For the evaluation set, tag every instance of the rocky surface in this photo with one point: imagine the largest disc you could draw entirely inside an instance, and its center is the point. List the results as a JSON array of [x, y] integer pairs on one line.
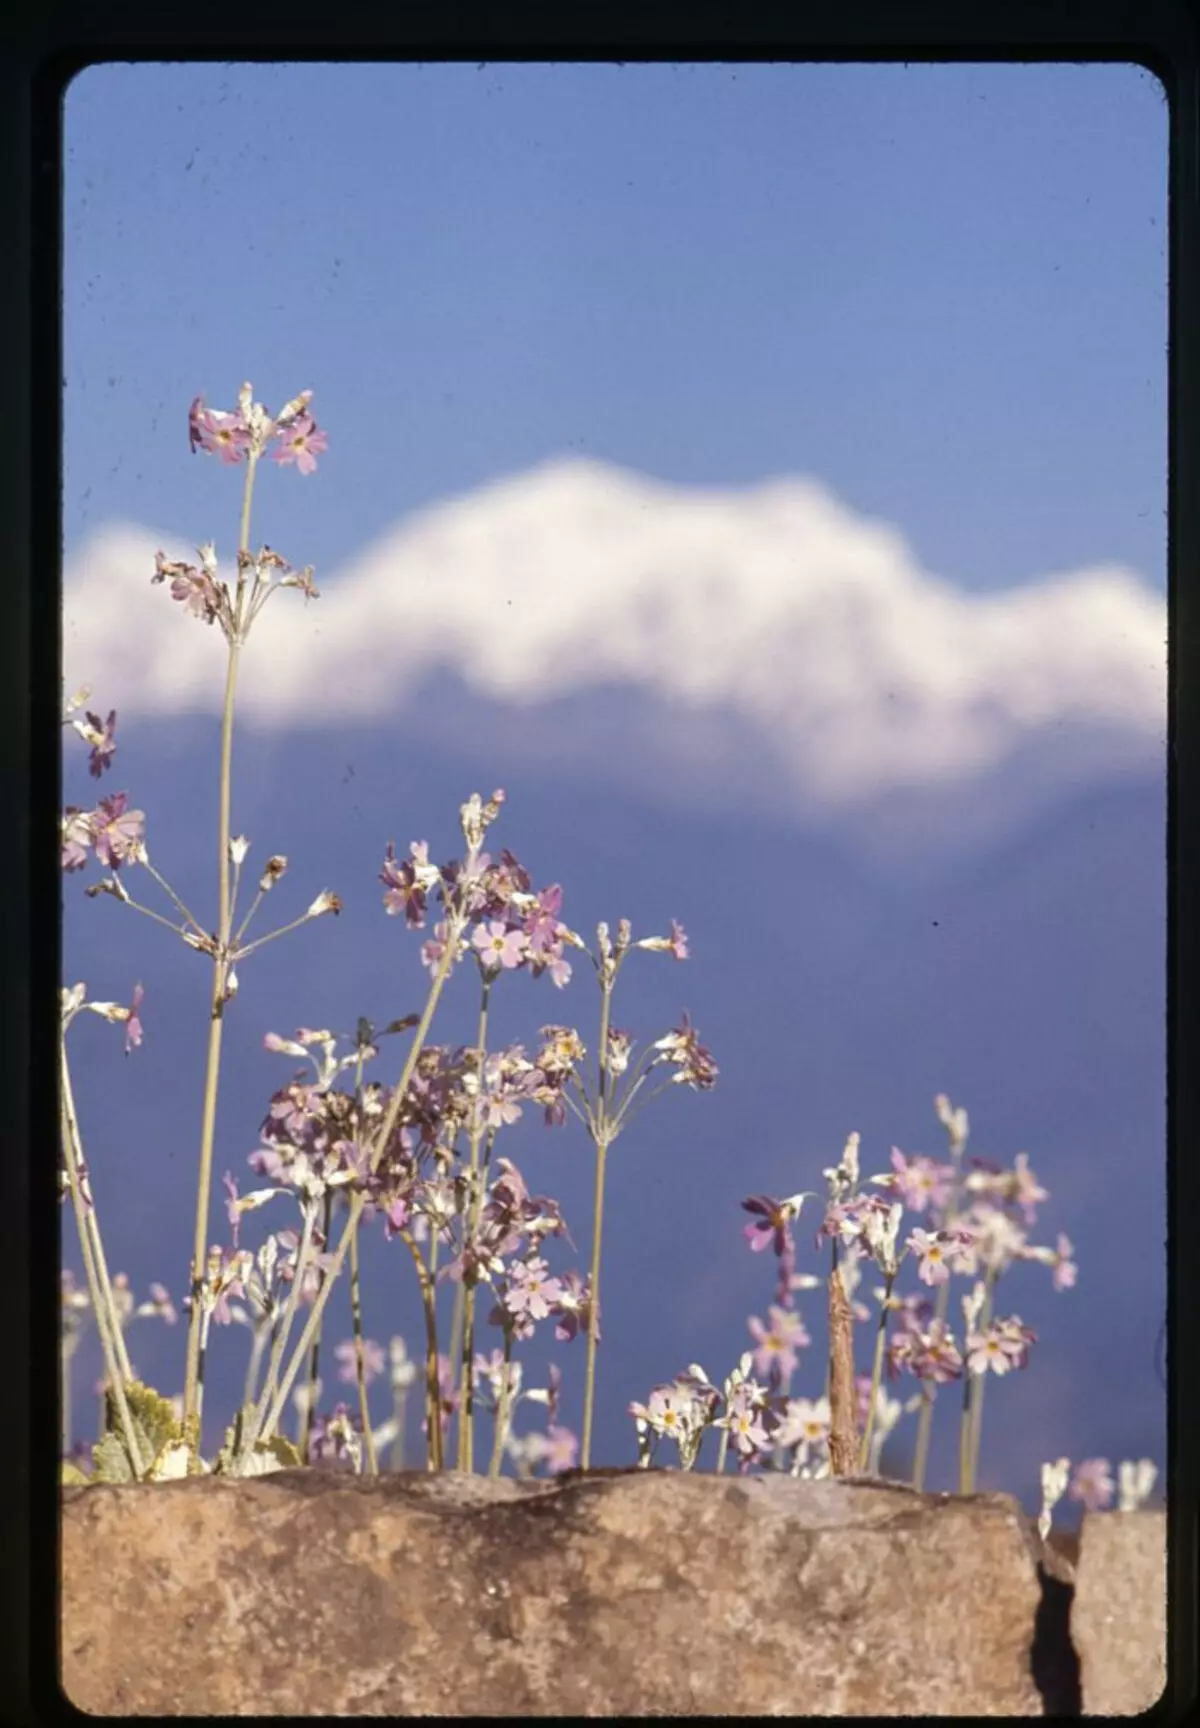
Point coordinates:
[[1119, 1616], [623, 1593]]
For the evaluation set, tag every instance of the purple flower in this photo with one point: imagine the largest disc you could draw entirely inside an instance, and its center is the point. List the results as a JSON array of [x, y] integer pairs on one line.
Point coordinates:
[[77, 836], [1093, 1484], [498, 948], [678, 947], [531, 1290], [920, 1182], [226, 435], [103, 743], [573, 1308], [347, 1354], [771, 1226], [557, 1448], [300, 442], [133, 1023], [778, 1342], [118, 832]]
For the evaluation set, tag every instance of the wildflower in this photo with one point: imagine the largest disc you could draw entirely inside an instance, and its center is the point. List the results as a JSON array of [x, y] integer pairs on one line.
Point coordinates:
[[682, 1048], [408, 883], [919, 1181], [117, 833], [573, 1308], [675, 944], [1060, 1258], [1003, 1346], [402, 1369], [78, 834], [226, 435], [300, 442], [935, 1252], [1092, 1484], [326, 901], [955, 1122], [100, 735], [1137, 1482], [935, 1356], [1054, 1481], [347, 1354], [497, 947], [560, 1450], [778, 1341], [159, 1306], [771, 1226], [744, 1416], [531, 1291], [805, 1424]]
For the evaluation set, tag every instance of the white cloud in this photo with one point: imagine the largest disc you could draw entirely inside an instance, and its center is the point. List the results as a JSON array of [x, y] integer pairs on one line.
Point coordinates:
[[808, 627]]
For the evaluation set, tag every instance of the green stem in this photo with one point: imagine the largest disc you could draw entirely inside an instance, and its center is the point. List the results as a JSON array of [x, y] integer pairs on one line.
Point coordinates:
[[314, 1360], [466, 1413], [876, 1371], [503, 1412], [279, 1342], [356, 1311], [600, 1136], [220, 979], [433, 1392], [112, 1343]]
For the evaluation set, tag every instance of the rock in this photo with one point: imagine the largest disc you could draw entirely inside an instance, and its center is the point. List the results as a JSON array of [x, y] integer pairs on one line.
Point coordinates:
[[625, 1593], [1119, 1618]]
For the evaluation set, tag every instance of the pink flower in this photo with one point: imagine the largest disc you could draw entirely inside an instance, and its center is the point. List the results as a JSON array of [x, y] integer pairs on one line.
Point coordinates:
[[778, 1342], [1093, 1484], [557, 1448], [226, 435], [934, 1250], [1029, 1192], [133, 1023], [920, 1182], [347, 1354], [531, 1291], [300, 442], [118, 832], [498, 948], [77, 837]]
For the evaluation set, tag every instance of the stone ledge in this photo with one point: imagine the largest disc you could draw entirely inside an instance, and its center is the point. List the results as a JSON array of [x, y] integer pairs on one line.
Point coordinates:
[[612, 1593]]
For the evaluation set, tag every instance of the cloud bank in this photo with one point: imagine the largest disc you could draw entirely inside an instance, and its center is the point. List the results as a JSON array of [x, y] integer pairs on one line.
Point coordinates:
[[771, 615]]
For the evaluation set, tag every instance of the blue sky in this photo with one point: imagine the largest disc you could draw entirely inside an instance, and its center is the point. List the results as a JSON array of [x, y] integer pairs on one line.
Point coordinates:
[[789, 441]]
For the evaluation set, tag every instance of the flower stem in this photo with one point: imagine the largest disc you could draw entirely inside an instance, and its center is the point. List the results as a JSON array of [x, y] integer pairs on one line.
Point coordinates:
[[503, 1412], [600, 1136], [108, 1325], [876, 1371], [356, 1311], [220, 979], [433, 1392], [466, 1409]]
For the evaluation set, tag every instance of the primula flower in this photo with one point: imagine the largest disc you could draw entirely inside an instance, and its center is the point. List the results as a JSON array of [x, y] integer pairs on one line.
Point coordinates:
[[772, 1223], [498, 948], [224, 435], [805, 1424], [133, 1022], [300, 442], [778, 1341], [1093, 1484], [919, 1182], [531, 1290], [573, 1308], [1060, 1258], [78, 834], [940, 1251], [347, 1354], [118, 833]]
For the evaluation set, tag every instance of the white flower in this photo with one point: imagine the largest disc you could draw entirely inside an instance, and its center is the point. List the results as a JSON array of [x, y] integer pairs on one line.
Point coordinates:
[[1135, 1482], [1054, 1483]]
